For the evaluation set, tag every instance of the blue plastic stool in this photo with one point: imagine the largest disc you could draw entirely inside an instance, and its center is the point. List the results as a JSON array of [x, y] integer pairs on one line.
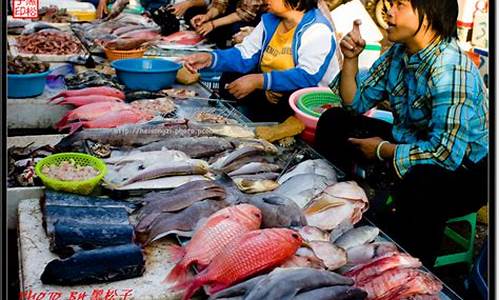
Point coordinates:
[[479, 268]]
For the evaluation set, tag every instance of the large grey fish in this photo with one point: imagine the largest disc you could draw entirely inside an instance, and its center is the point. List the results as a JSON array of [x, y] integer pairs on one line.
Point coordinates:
[[285, 283], [332, 257], [255, 167], [168, 168], [238, 290], [340, 229], [315, 166], [179, 198], [303, 187], [159, 183], [182, 223], [338, 292], [235, 155], [357, 236], [278, 211], [149, 156], [129, 135], [363, 253], [194, 147]]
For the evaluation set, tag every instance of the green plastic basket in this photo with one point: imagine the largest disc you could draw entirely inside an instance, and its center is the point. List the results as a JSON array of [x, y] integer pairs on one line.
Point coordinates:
[[83, 187], [308, 102]]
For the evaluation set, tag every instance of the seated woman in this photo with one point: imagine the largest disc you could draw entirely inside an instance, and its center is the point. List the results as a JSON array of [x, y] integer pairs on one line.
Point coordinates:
[[433, 159], [292, 47]]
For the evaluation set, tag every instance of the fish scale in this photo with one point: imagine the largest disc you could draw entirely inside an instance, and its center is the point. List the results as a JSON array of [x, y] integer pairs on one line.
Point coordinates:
[[255, 251]]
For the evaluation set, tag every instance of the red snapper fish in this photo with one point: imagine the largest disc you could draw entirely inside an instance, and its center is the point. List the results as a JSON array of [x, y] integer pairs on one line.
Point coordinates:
[[211, 239], [110, 119], [78, 101], [90, 112], [253, 252], [98, 91]]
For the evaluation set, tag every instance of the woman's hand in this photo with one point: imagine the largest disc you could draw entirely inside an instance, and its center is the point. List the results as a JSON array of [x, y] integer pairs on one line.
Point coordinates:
[[198, 20], [244, 85], [102, 9], [205, 28], [352, 44], [367, 146], [180, 9], [197, 61]]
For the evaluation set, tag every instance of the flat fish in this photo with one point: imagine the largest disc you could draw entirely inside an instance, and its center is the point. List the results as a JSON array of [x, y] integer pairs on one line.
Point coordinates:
[[314, 166], [193, 147], [357, 236], [302, 188], [160, 183], [340, 229], [99, 265], [278, 211], [311, 233], [363, 253], [332, 257]]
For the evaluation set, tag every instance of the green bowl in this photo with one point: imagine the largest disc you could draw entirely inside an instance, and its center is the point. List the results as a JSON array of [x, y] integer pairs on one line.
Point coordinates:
[[313, 103]]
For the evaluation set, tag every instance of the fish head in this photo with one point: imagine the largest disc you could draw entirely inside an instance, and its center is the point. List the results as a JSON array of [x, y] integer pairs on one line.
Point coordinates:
[[289, 237], [248, 215]]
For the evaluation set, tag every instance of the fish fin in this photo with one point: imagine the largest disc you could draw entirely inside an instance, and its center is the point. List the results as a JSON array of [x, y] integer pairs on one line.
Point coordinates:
[[60, 95], [273, 200], [64, 120], [190, 286], [215, 220], [72, 127], [321, 205], [177, 274], [176, 252]]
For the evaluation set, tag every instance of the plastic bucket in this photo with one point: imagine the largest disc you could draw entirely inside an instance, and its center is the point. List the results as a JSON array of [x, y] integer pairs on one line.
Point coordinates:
[[26, 85]]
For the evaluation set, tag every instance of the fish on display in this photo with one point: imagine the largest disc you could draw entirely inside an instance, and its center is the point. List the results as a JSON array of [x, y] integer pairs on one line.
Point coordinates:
[[92, 91], [278, 211], [363, 253], [177, 199], [137, 95], [146, 158], [303, 187], [285, 283], [78, 101], [255, 167], [194, 147], [315, 166], [243, 161], [311, 233], [163, 183], [34, 27], [331, 256], [340, 203], [228, 130], [254, 252], [212, 237], [110, 119], [401, 283], [364, 273], [161, 169], [182, 223], [252, 186], [236, 155], [90, 111], [259, 176], [357, 236], [97, 265], [341, 292]]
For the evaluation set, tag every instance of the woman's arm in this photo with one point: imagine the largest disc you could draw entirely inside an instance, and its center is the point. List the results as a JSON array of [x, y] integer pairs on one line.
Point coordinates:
[[229, 19]]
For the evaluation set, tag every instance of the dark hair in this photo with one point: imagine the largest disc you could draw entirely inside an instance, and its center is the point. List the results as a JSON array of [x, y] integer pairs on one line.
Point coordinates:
[[302, 5], [441, 14]]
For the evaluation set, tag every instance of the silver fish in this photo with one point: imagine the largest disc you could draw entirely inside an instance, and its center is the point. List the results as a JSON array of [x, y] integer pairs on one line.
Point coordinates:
[[259, 176], [315, 166], [311, 233], [332, 257], [238, 290], [357, 236], [255, 167], [146, 157], [194, 147], [278, 211], [340, 229], [160, 183], [235, 155], [303, 187], [363, 253]]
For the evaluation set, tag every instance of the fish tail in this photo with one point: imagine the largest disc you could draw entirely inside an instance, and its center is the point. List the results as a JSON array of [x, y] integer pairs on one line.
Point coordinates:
[[62, 123], [179, 271], [190, 286], [73, 127], [176, 252], [60, 95]]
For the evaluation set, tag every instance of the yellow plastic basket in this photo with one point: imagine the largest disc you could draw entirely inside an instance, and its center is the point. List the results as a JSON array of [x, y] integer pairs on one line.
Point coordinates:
[[121, 54], [84, 187]]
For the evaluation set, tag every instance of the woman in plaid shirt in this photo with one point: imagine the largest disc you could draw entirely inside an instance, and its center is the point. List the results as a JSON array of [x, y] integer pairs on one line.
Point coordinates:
[[434, 155]]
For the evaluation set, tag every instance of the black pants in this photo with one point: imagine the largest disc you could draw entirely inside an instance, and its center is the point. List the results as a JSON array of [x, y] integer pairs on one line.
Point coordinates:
[[424, 199], [255, 106], [222, 35]]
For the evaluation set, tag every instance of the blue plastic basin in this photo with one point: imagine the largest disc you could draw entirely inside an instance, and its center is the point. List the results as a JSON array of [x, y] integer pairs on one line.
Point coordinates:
[[150, 74], [26, 85]]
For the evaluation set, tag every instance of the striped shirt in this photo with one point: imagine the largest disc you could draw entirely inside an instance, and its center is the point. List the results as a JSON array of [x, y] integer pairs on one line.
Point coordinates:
[[438, 100]]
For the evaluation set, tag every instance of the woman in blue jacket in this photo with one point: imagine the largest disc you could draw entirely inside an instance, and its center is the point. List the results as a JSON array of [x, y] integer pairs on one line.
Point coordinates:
[[292, 47]]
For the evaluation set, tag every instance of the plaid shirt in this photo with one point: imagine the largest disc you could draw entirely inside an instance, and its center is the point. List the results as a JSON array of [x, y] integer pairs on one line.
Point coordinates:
[[247, 10], [439, 104]]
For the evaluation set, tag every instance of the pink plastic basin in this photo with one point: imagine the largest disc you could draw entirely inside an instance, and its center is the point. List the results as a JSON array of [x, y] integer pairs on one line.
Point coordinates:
[[309, 121]]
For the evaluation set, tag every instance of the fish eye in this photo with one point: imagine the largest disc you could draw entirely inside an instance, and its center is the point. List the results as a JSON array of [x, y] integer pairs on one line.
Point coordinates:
[[295, 236], [257, 215]]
